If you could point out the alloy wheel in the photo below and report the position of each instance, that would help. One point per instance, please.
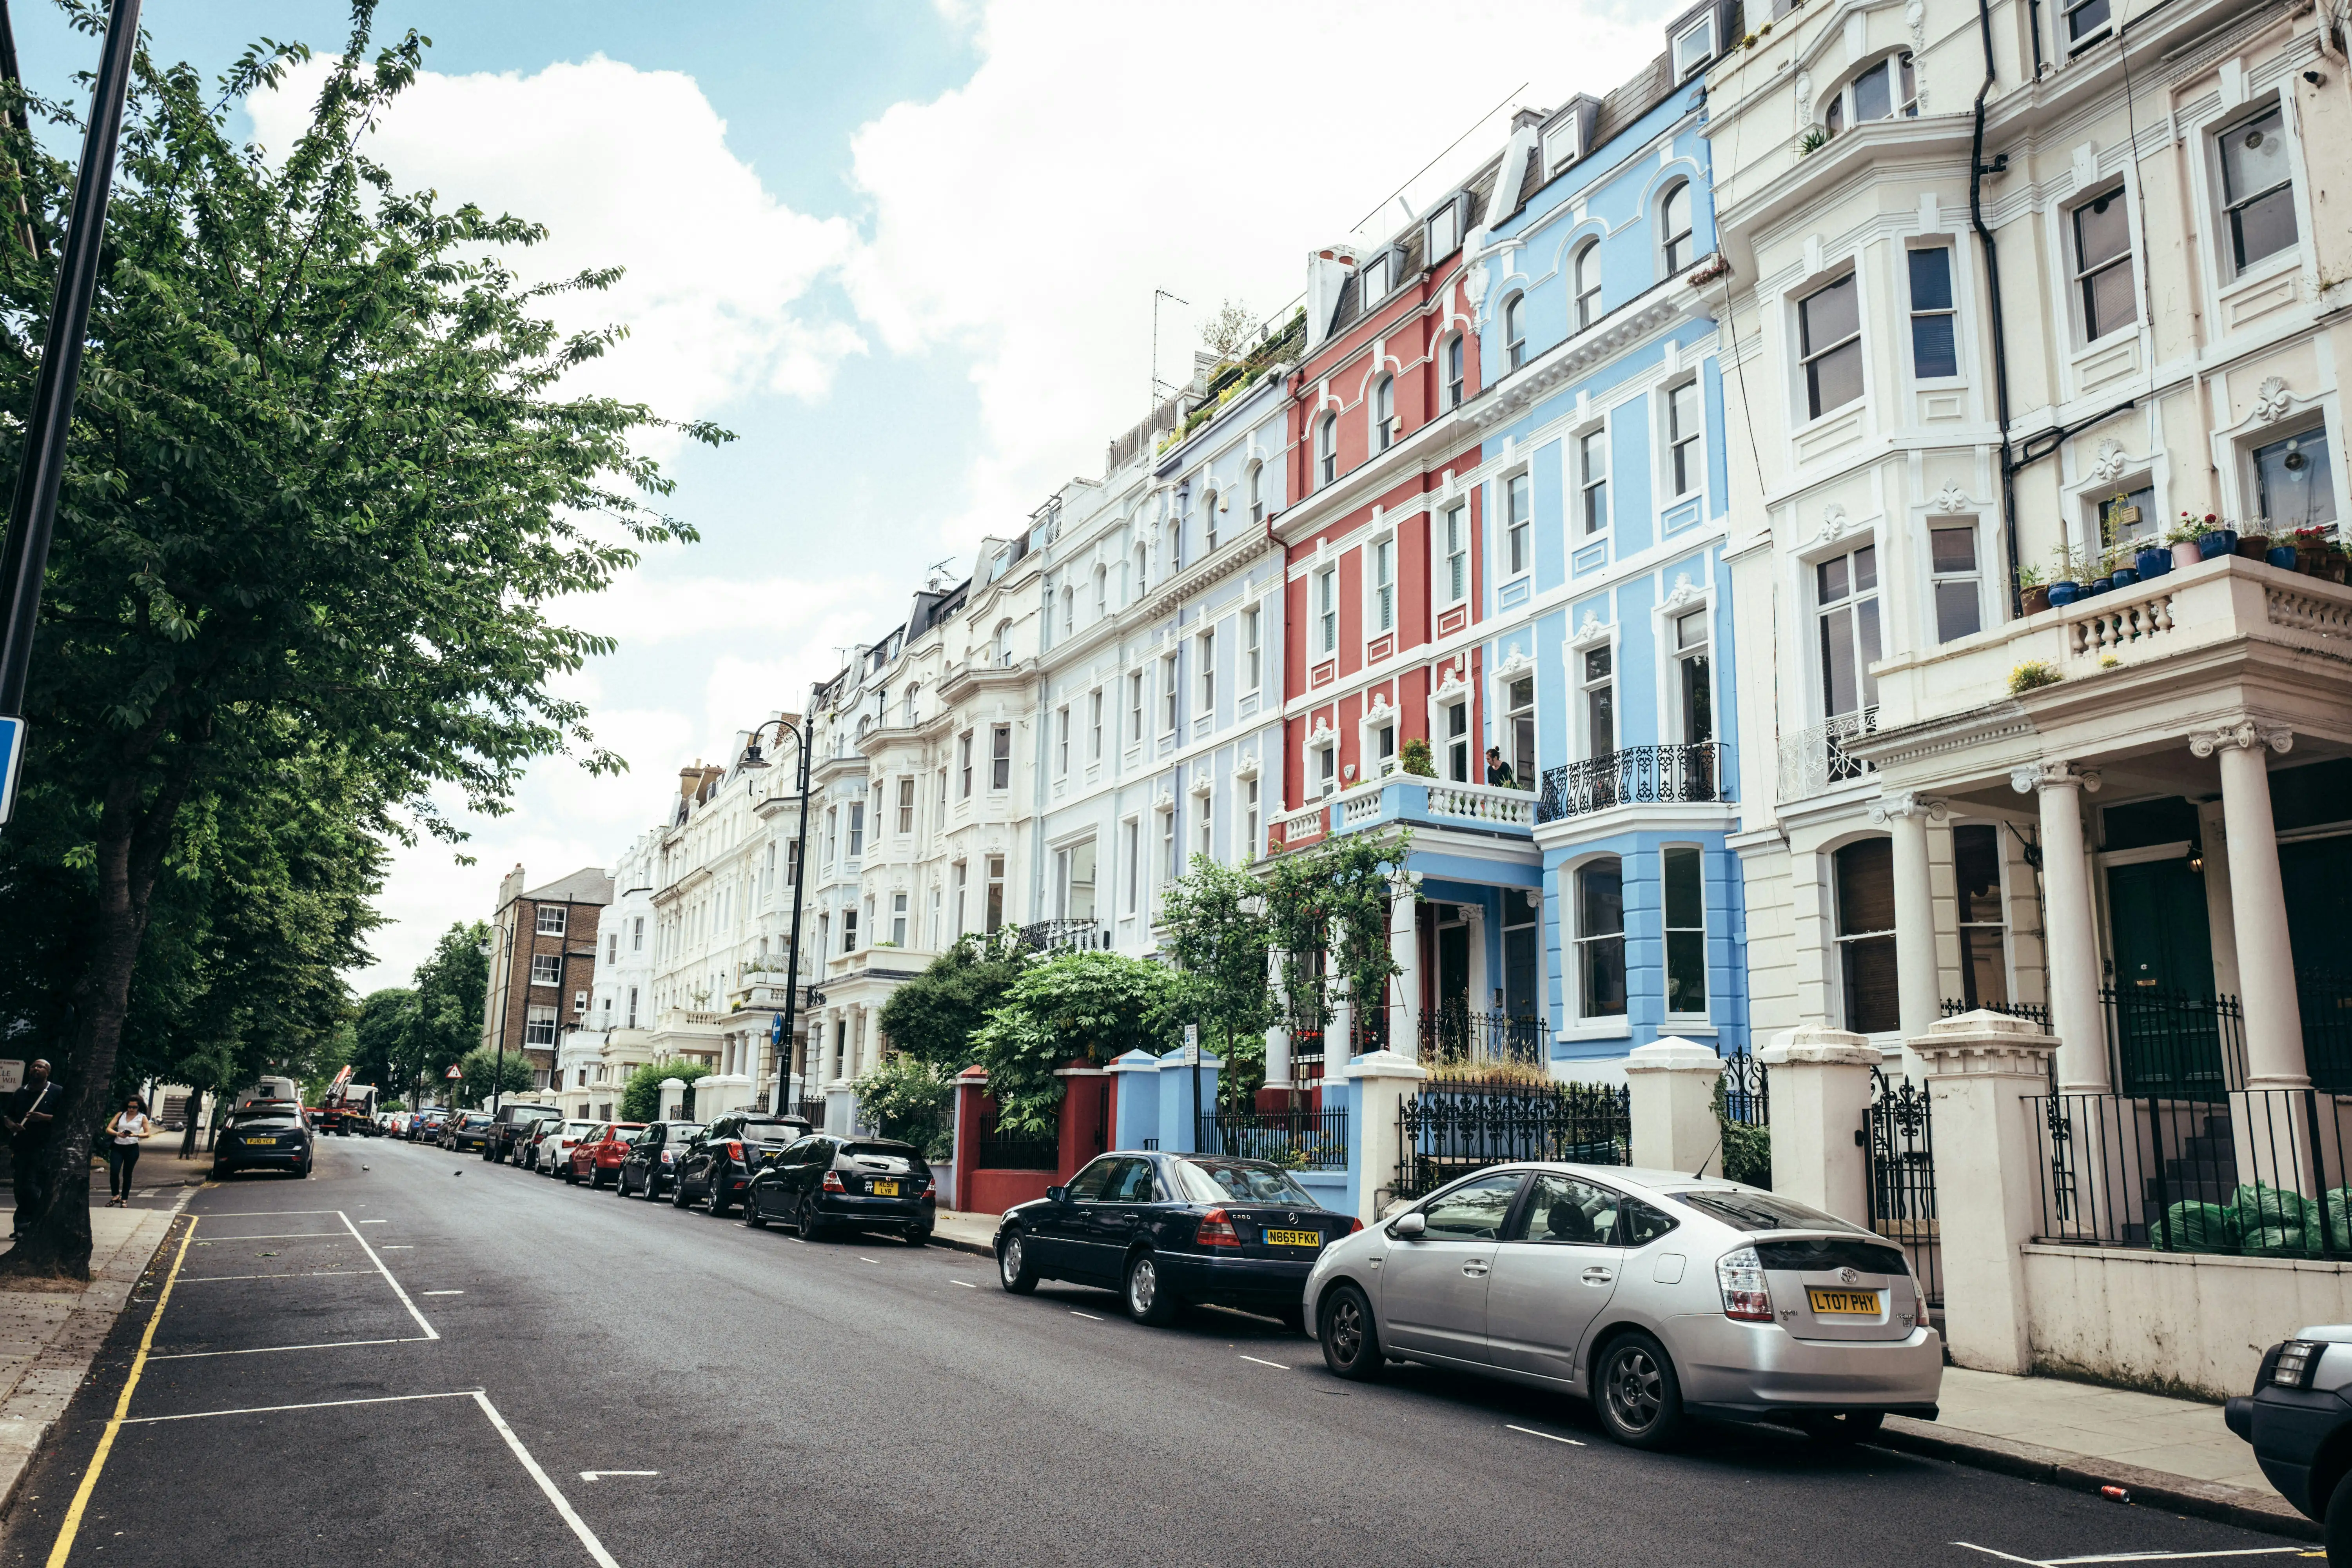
(1143, 1286)
(1345, 1332)
(1010, 1262)
(1635, 1389)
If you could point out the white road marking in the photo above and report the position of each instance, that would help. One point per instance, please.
(375, 1222)
(1089, 1317)
(270, 1214)
(430, 1332)
(305, 1274)
(1533, 1433)
(1279, 1366)
(272, 1350)
(399, 1247)
(579, 1526)
(279, 1235)
(965, 1283)
(440, 1292)
(2135, 1556)
(315, 1405)
(862, 1258)
(599, 1475)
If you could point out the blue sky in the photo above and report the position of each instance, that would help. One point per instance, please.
(906, 251)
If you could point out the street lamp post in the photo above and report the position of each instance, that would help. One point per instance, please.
(799, 871)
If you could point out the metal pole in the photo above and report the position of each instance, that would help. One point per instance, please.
(33, 511)
(799, 869)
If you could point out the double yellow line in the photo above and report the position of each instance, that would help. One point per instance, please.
(72, 1525)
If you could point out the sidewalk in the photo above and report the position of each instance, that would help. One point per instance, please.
(974, 1233)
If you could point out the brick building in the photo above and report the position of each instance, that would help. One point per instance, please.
(542, 964)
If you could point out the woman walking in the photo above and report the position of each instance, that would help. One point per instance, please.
(128, 1126)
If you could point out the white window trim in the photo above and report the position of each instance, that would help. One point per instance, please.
(1705, 934)
(1664, 618)
(2213, 202)
(1503, 572)
(1662, 433)
(1704, 25)
(1572, 479)
(1440, 585)
(1958, 259)
(1582, 1025)
(1371, 631)
(1368, 725)
(1834, 270)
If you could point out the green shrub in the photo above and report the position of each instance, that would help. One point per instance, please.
(2031, 674)
(641, 1096)
(1416, 759)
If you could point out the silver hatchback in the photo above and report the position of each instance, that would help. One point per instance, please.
(1657, 1296)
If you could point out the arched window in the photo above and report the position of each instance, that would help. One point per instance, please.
(1887, 89)
(1384, 414)
(913, 692)
(1069, 610)
(1209, 522)
(1587, 269)
(1600, 937)
(1453, 374)
(1675, 228)
(1326, 448)
(1175, 556)
(1514, 330)
(1102, 591)
(1258, 492)
(1003, 643)
(1142, 579)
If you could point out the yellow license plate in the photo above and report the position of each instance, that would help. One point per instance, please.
(884, 1189)
(256, 1142)
(1294, 1238)
(1842, 1303)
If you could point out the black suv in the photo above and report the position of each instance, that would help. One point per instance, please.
(717, 1163)
(651, 1163)
(2299, 1419)
(860, 1184)
(512, 1127)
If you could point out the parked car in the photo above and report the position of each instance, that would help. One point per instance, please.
(716, 1165)
(424, 1127)
(526, 1155)
(1165, 1230)
(651, 1163)
(555, 1145)
(469, 1131)
(263, 1137)
(596, 1159)
(510, 1124)
(2299, 1419)
(859, 1184)
(1657, 1296)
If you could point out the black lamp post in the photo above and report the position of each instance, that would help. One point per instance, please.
(799, 870)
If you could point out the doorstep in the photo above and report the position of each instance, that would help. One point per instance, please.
(2166, 1453)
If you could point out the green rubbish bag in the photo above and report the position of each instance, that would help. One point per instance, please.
(2338, 1207)
(2197, 1227)
(2260, 1207)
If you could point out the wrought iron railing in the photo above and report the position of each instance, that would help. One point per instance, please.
(1455, 1033)
(1812, 760)
(1747, 1090)
(2326, 996)
(1634, 775)
(1900, 1134)
(2031, 1012)
(1064, 936)
(1452, 1129)
(2170, 1043)
(1302, 1139)
(1002, 1150)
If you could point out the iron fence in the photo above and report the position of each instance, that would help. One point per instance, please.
(2256, 1173)
(1900, 1134)
(1455, 1033)
(1747, 1090)
(1634, 775)
(1452, 1129)
(2173, 1044)
(1003, 1150)
(1302, 1139)
(2031, 1013)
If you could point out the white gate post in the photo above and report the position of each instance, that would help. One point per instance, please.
(1671, 1085)
(1821, 1092)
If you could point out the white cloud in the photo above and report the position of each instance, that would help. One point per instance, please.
(629, 168)
(1100, 151)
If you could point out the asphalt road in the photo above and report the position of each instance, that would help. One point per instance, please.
(417, 1356)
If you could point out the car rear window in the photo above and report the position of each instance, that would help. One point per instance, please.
(884, 1152)
(1818, 1256)
(1743, 1209)
(1240, 1181)
(772, 1132)
(267, 1118)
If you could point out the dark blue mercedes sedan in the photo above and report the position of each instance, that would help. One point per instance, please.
(1167, 1230)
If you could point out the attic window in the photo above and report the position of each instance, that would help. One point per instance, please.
(1694, 47)
(1560, 147)
(1375, 278)
(1444, 232)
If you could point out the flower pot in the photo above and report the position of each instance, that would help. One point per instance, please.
(2064, 594)
(2332, 568)
(2036, 598)
(2252, 546)
(2221, 542)
(2125, 577)
(2155, 561)
(2098, 585)
(2187, 554)
(2282, 555)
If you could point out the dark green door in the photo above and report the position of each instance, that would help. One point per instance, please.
(2164, 1022)
(2317, 874)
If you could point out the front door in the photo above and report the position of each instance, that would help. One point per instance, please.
(2163, 967)
(1434, 1286)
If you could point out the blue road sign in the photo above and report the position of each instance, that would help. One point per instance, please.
(776, 1031)
(12, 762)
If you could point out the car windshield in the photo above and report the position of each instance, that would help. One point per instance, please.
(1240, 1181)
(1745, 1209)
(771, 1131)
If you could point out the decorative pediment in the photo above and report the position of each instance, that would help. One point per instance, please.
(2109, 464)
(1684, 593)
(1590, 631)
(1517, 661)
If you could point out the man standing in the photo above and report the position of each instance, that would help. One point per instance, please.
(1498, 772)
(31, 1111)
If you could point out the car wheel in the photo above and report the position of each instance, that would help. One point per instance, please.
(752, 1216)
(2336, 1526)
(811, 1224)
(1013, 1269)
(652, 1193)
(621, 1184)
(302, 1172)
(714, 1202)
(1352, 1343)
(1842, 1428)
(1639, 1398)
(678, 1194)
(1149, 1301)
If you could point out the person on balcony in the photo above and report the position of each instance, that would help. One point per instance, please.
(1498, 772)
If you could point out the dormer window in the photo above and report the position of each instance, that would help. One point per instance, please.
(1384, 414)
(1374, 279)
(1561, 146)
(1888, 89)
(1444, 235)
(1693, 47)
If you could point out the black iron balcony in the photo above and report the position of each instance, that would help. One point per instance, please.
(1636, 775)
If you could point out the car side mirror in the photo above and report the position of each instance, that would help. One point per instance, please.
(1409, 1226)
(1055, 1195)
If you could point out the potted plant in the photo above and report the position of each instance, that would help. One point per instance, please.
(2121, 563)
(2031, 591)
(2319, 554)
(2218, 538)
(2151, 556)
(2253, 546)
(2282, 552)
(2071, 571)
(2030, 675)
(2187, 538)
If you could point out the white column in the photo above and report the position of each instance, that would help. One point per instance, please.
(1404, 952)
(1918, 991)
(1820, 1093)
(2071, 936)
(1383, 1081)
(1672, 1089)
(1278, 1035)
(2258, 903)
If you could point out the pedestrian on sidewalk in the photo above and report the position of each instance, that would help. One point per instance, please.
(31, 1111)
(128, 1127)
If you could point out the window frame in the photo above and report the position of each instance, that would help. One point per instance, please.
(1597, 684)
(1253, 650)
(1518, 523)
(2314, 428)
(2003, 956)
(1205, 683)
(1846, 943)
(1668, 930)
(1457, 374)
(1326, 587)
(1326, 449)
(1583, 943)
(1940, 579)
(1171, 695)
(551, 920)
(1810, 359)
(1380, 587)
(2085, 274)
(547, 969)
(1849, 601)
(1513, 317)
(2232, 209)
(1673, 242)
(1704, 26)
(1588, 290)
(1453, 552)
(1000, 759)
(1383, 414)
(1684, 477)
(1947, 312)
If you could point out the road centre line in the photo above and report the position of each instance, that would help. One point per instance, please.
(965, 1283)
(273, 1350)
(2133, 1556)
(305, 1274)
(430, 1332)
(1279, 1366)
(279, 1236)
(1533, 1433)
(314, 1404)
(1089, 1317)
(440, 1292)
(564, 1507)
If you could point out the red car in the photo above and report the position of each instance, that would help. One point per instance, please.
(596, 1159)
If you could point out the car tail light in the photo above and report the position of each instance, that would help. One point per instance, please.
(930, 1189)
(832, 1183)
(1745, 1296)
(735, 1152)
(1217, 1230)
(1354, 1226)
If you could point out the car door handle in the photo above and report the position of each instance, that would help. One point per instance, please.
(1597, 1275)
(1475, 1269)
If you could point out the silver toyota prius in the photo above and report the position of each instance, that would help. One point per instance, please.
(1657, 1296)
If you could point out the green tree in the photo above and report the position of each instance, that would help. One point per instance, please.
(1332, 898)
(1075, 1007)
(1218, 935)
(641, 1096)
(908, 1098)
(446, 1020)
(934, 1016)
(322, 491)
(484, 1067)
(380, 1031)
